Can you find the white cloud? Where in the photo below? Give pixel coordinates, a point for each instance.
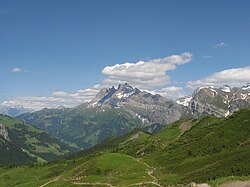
(233, 77)
(35, 103)
(220, 45)
(17, 70)
(67, 99)
(172, 92)
(80, 96)
(145, 74)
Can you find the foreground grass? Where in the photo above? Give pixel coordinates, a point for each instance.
(112, 168)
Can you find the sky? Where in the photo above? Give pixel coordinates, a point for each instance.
(62, 52)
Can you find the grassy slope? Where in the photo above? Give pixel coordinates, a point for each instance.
(212, 148)
(115, 168)
(28, 144)
(83, 127)
(207, 150)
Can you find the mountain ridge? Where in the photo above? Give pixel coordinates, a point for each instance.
(22, 143)
(116, 111)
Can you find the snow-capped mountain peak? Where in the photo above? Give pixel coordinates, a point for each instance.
(246, 87)
(125, 87)
(225, 88)
(141, 104)
(125, 90)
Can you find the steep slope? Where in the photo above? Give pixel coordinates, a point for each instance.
(210, 149)
(112, 113)
(190, 150)
(117, 111)
(146, 106)
(220, 102)
(24, 144)
(83, 127)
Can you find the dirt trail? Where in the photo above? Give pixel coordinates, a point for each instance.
(236, 184)
(150, 172)
(143, 183)
(54, 180)
(93, 184)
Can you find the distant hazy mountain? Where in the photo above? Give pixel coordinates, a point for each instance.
(13, 111)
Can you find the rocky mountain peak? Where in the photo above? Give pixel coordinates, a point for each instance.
(125, 87)
(112, 95)
(221, 101)
(148, 107)
(103, 95)
(125, 90)
(246, 87)
(225, 88)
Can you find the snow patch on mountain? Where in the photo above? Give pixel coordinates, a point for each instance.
(225, 88)
(91, 105)
(227, 113)
(243, 96)
(184, 101)
(214, 91)
(124, 95)
(246, 87)
(144, 120)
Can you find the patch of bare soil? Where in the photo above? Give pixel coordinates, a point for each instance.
(236, 184)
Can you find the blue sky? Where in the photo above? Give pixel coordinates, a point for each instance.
(51, 49)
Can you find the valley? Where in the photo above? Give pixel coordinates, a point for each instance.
(189, 150)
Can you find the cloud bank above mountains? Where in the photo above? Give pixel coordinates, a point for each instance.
(151, 75)
(142, 74)
(232, 77)
(148, 75)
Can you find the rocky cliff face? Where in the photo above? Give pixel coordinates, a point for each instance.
(220, 102)
(4, 133)
(148, 107)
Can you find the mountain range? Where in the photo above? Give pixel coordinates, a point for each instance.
(117, 111)
(129, 137)
(220, 102)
